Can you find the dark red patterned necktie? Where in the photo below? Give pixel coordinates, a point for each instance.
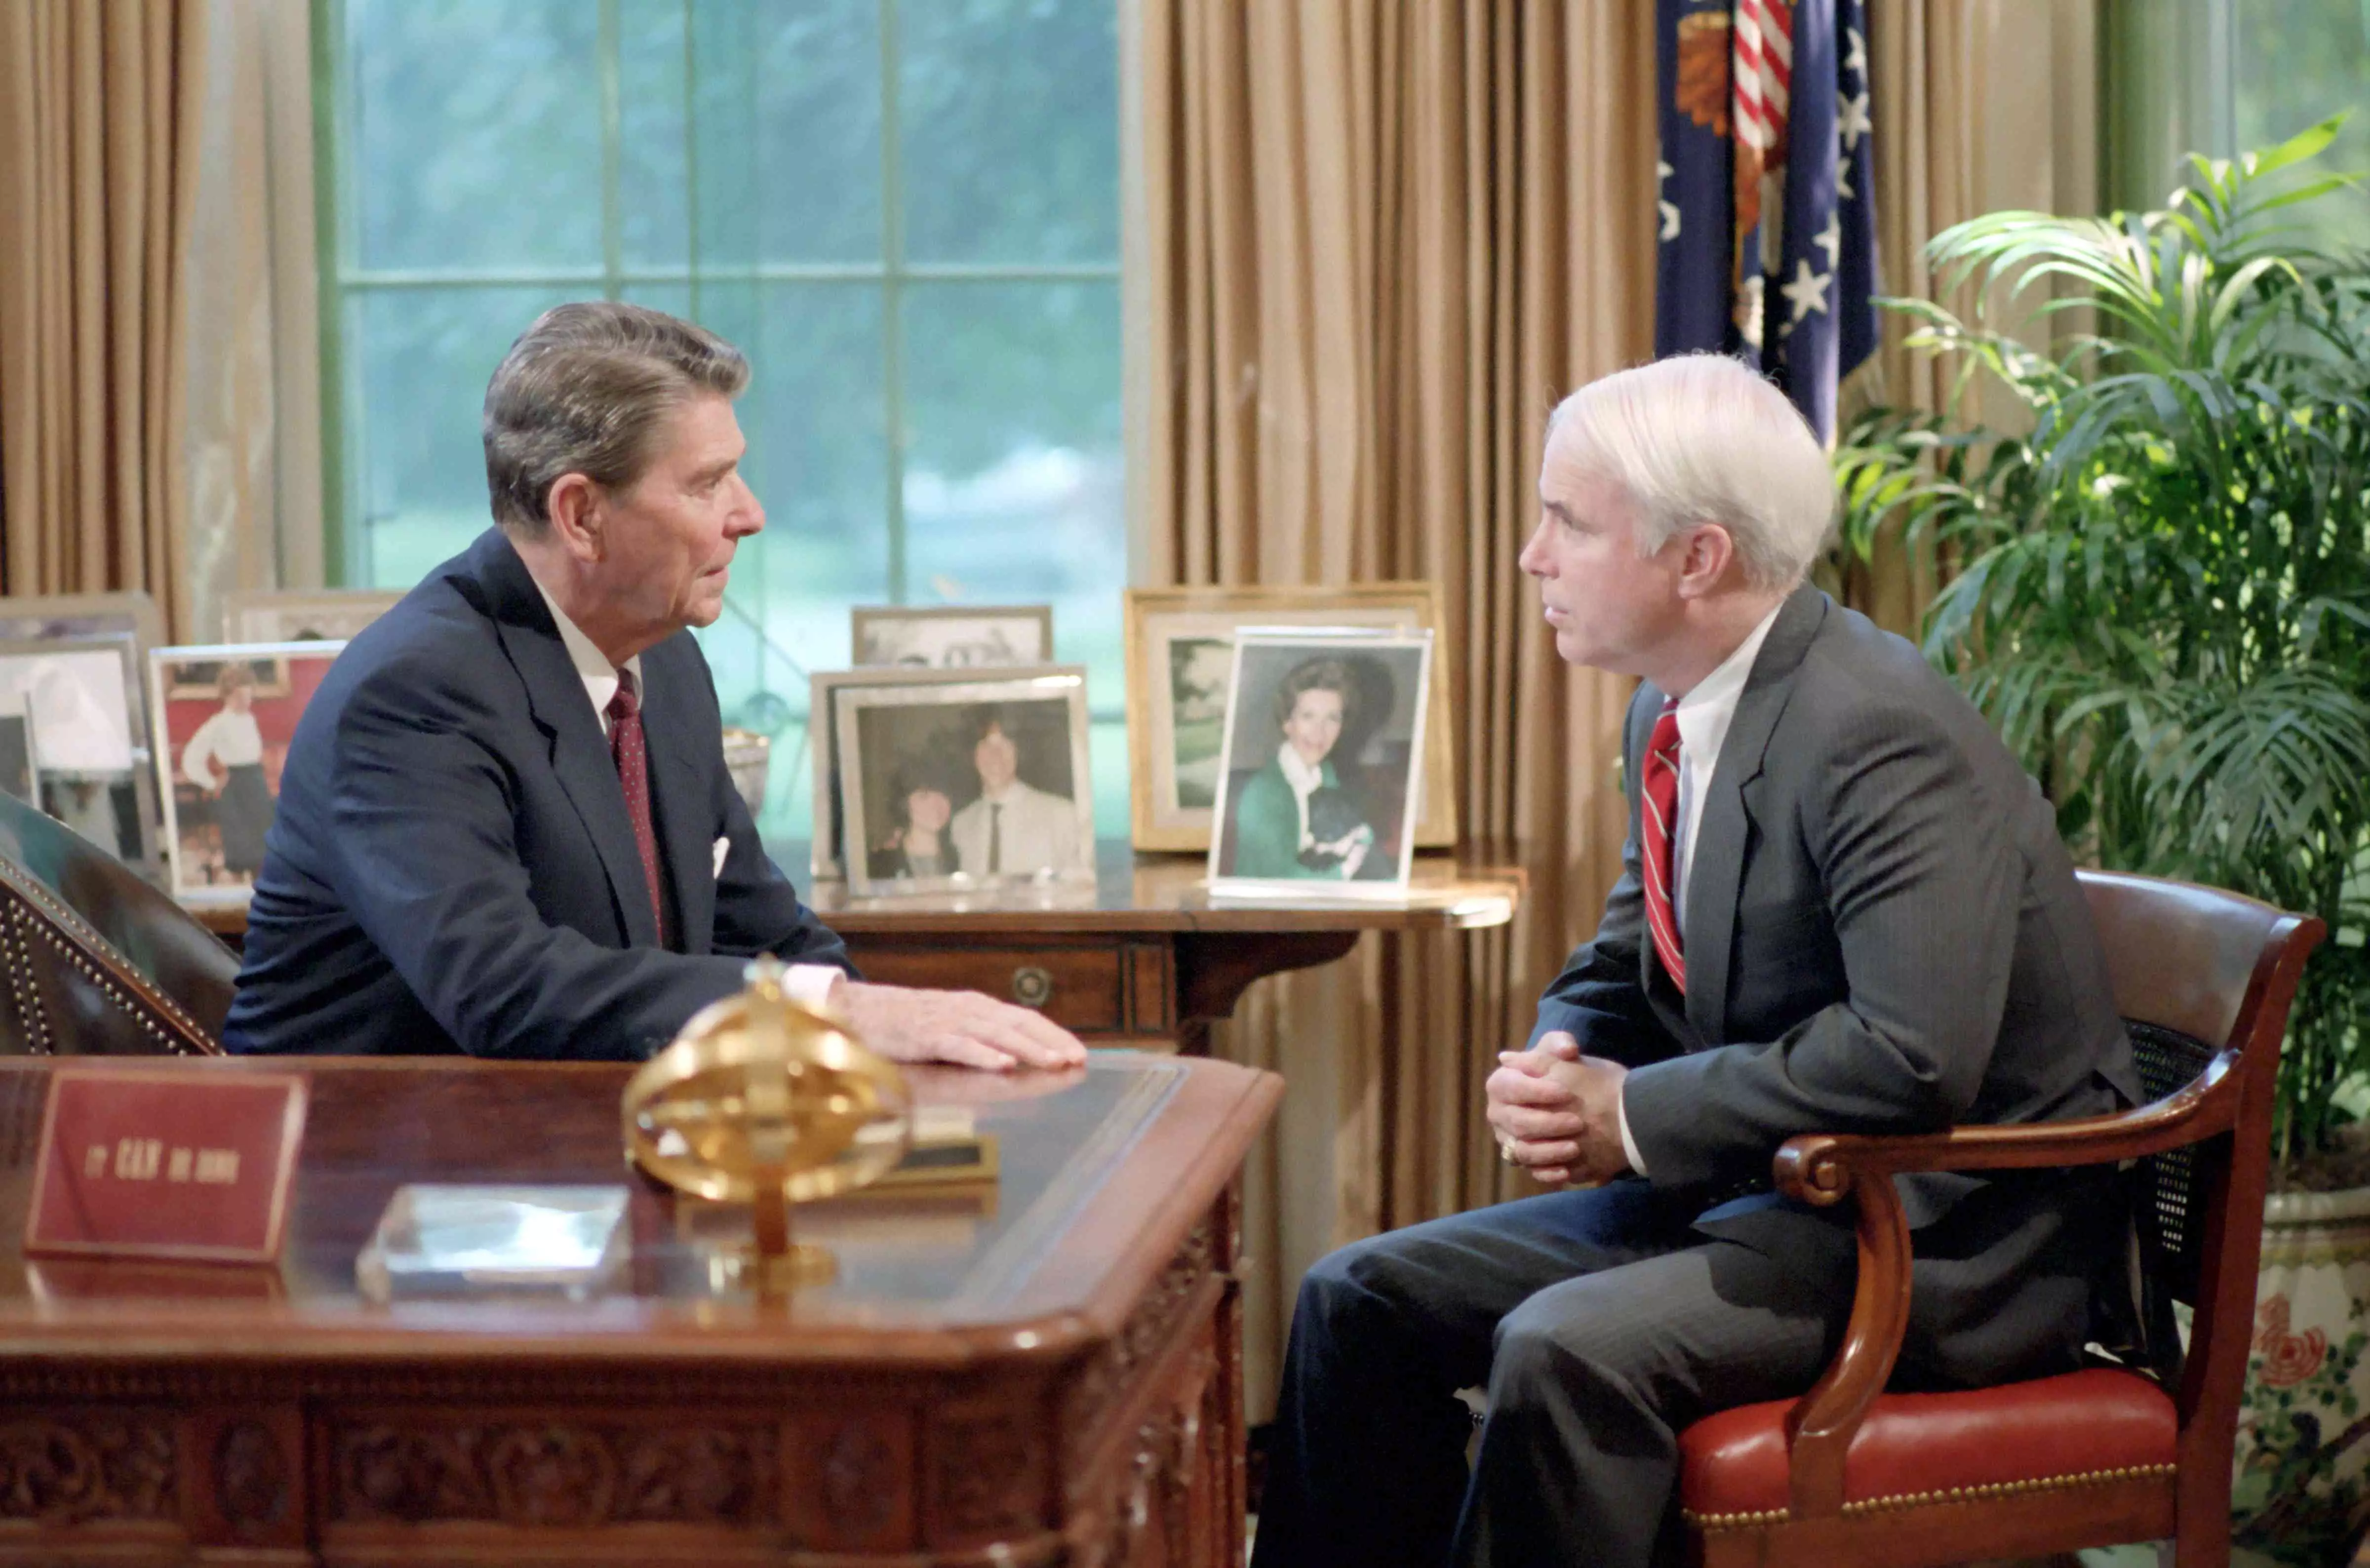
(1658, 819)
(634, 773)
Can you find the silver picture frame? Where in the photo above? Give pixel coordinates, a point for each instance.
(1329, 811)
(950, 636)
(88, 718)
(826, 861)
(1001, 761)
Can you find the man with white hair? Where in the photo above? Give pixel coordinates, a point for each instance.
(1843, 908)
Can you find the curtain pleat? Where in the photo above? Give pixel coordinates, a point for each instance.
(1385, 237)
(98, 114)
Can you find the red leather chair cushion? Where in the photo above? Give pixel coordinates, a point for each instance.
(2080, 1424)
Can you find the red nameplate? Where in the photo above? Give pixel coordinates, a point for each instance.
(191, 1166)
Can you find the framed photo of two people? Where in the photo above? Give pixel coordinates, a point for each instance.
(945, 785)
(1321, 780)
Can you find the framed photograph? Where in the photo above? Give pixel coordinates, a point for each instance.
(17, 775)
(82, 696)
(1322, 776)
(828, 862)
(302, 615)
(225, 715)
(974, 784)
(39, 618)
(1179, 659)
(950, 637)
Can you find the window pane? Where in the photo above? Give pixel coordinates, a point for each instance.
(2300, 62)
(422, 359)
(473, 144)
(786, 137)
(653, 193)
(1012, 472)
(1008, 122)
(818, 461)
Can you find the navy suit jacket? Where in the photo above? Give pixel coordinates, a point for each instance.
(1882, 934)
(451, 868)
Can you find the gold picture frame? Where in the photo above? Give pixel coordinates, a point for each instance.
(1179, 638)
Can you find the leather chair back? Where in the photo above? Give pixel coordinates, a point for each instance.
(98, 962)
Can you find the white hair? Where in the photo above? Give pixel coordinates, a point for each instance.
(1703, 438)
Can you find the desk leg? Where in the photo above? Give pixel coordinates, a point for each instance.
(1215, 968)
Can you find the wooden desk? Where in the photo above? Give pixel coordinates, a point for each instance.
(1143, 955)
(1056, 1380)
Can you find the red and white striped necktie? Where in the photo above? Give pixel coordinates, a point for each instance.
(1658, 822)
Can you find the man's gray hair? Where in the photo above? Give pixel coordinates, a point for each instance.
(584, 391)
(1703, 438)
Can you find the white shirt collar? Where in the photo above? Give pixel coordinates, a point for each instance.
(599, 675)
(1706, 712)
(1302, 774)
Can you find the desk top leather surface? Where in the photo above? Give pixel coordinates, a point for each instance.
(1105, 1171)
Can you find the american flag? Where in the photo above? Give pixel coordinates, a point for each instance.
(1768, 233)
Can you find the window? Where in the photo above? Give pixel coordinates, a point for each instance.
(2293, 63)
(905, 212)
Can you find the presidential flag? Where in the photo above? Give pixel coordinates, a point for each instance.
(1767, 235)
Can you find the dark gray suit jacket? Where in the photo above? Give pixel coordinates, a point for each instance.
(452, 868)
(1884, 934)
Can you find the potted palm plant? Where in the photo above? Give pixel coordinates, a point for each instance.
(2160, 594)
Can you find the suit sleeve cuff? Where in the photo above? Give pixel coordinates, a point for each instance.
(1621, 1117)
(821, 988)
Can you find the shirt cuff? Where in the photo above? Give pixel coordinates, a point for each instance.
(820, 987)
(1620, 1116)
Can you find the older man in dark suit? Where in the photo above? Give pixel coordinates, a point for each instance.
(1844, 906)
(505, 825)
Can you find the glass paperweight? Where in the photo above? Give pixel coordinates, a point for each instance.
(447, 1241)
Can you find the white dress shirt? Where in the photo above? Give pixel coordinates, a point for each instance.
(227, 737)
(1034, 831)
(1704, 716)
(818, 987)
(1305, 778)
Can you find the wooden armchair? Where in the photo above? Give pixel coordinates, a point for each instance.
(1849, 1473)
(93, 961)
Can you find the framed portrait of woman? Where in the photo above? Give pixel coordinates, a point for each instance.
(1181, 660)
(1321, 780)
(224, 717)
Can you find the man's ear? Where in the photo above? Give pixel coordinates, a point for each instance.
(1704, 560)
(578, 518)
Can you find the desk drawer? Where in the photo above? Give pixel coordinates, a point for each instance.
(1089, 986)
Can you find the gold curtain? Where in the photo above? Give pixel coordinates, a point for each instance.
(253, 353)
(98, 107)
(1376, 243)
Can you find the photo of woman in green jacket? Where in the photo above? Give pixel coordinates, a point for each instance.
(1294, 818)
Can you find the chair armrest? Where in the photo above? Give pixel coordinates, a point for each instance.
(1824, 1169)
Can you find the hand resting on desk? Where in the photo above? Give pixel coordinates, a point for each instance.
(964, 1027)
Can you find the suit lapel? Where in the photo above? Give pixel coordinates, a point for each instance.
(580, 752)
(679, 793)
(1717, 867)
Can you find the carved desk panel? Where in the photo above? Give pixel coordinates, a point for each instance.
(1049, 1376)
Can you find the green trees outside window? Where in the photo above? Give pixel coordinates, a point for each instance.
(904, 211)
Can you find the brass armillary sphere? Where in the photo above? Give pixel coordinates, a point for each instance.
(759, 1101)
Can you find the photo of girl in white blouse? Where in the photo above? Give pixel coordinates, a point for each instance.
(225, 760)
